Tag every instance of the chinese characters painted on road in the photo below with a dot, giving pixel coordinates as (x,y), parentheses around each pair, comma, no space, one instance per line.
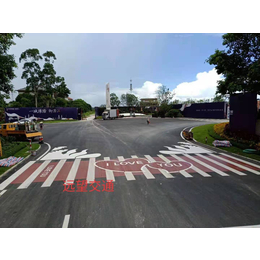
(83,185)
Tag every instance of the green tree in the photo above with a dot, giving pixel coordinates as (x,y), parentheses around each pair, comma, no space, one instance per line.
(218,98)
(80,103)
(164,95)
(239,63)
(61,102)
(7,63)
(130,100)
(61,89)
(115,102)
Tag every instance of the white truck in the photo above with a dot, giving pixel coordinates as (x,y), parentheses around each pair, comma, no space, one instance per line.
(110,114)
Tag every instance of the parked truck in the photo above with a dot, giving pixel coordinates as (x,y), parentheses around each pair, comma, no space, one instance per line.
(110,114)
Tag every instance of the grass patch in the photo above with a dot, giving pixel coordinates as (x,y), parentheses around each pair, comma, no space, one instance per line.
(99,117)
(201,132)
(24,152)
(89,113)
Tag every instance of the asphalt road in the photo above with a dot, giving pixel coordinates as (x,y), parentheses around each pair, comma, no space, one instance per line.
(158,201)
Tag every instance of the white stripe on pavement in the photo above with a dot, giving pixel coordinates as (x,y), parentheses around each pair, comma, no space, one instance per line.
(134,156)
(48,182)
(147,173)
(221,164)
(206,165)
(109,173)
(73,171)
(163,158)
(33,176)
(199,171)
(91,170)
(182,172)
(163,171)
(120,158)
(5,183)
(129,176)
(254,165)
(66,221)
(149,158)
(2,193)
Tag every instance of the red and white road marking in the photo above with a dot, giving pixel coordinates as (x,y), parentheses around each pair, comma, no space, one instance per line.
(169,166)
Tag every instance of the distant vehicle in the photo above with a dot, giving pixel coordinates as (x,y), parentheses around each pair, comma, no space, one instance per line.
(110,114)
(21,132)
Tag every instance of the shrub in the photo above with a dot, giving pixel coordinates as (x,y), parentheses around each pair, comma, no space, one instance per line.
(155,114)
(173,113)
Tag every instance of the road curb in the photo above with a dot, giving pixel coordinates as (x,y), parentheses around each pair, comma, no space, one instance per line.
(13,167)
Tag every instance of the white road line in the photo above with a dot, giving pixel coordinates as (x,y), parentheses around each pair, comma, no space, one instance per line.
(252,164)
(73,170)
(239,165)
(109,173)
(163,171)
(149,158)
(254,226)
(48,182)
(206,165)
(221,164)
(134,156)
(199,171)
(66,221)
(2,193)
(120,158)
(91,170)
(147,173)
(33,176)
(182,172)
(49,148)
(5,183)
(129,176)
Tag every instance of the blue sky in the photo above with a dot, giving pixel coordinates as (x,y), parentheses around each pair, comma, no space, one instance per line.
(89,61)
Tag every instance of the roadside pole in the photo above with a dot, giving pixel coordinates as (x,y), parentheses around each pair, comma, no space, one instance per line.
(1,152)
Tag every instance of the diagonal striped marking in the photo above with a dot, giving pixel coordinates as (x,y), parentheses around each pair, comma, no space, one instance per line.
(183,172)
(48,182)
(202,173)
(221,164)
(164,172)
(73,170)
(252,164)
(32,177)
(5,183)
(239,165)
(129,176)
(147,173)
(120,158)
(109,173)
(206,165)
(91,170)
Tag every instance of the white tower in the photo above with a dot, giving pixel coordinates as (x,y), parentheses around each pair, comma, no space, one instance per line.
(108,106)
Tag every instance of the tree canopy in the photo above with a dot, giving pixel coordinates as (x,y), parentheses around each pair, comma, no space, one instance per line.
(164,95)
(114,100)
(7,63)
(239,63)
(129,100)
(80,103)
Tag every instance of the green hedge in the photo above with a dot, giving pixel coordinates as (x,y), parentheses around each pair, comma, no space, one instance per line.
(10,147)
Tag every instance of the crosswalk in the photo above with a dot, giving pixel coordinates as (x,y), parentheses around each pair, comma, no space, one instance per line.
(204,165)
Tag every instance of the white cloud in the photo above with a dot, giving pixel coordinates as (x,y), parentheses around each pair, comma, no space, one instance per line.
(204,86)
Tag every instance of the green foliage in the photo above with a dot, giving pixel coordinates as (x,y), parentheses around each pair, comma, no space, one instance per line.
(155,114)
(61,102)
(164,95)
(239,63)
(129,100)
(173,113)
(163,109)
(7,63)
(25,100)
(218,98)
(14,104)
(115,102)
(10,147)
(80,103)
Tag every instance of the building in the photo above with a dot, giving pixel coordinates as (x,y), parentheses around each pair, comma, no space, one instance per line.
(150,104)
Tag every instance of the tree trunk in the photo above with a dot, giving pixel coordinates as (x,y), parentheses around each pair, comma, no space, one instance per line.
(36,99)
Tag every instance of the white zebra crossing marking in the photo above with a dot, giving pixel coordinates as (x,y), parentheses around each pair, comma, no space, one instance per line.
(73,171)
(129,175)
(120,158)
(66,221)
(134,156)
(222,165)
(199,171)
(164,172)
(33,176)
(239,165)
(184,173)
(109,173)
(53,174)
(147,173)
(8,181)
(206,165)
(91,170)
(3,192)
